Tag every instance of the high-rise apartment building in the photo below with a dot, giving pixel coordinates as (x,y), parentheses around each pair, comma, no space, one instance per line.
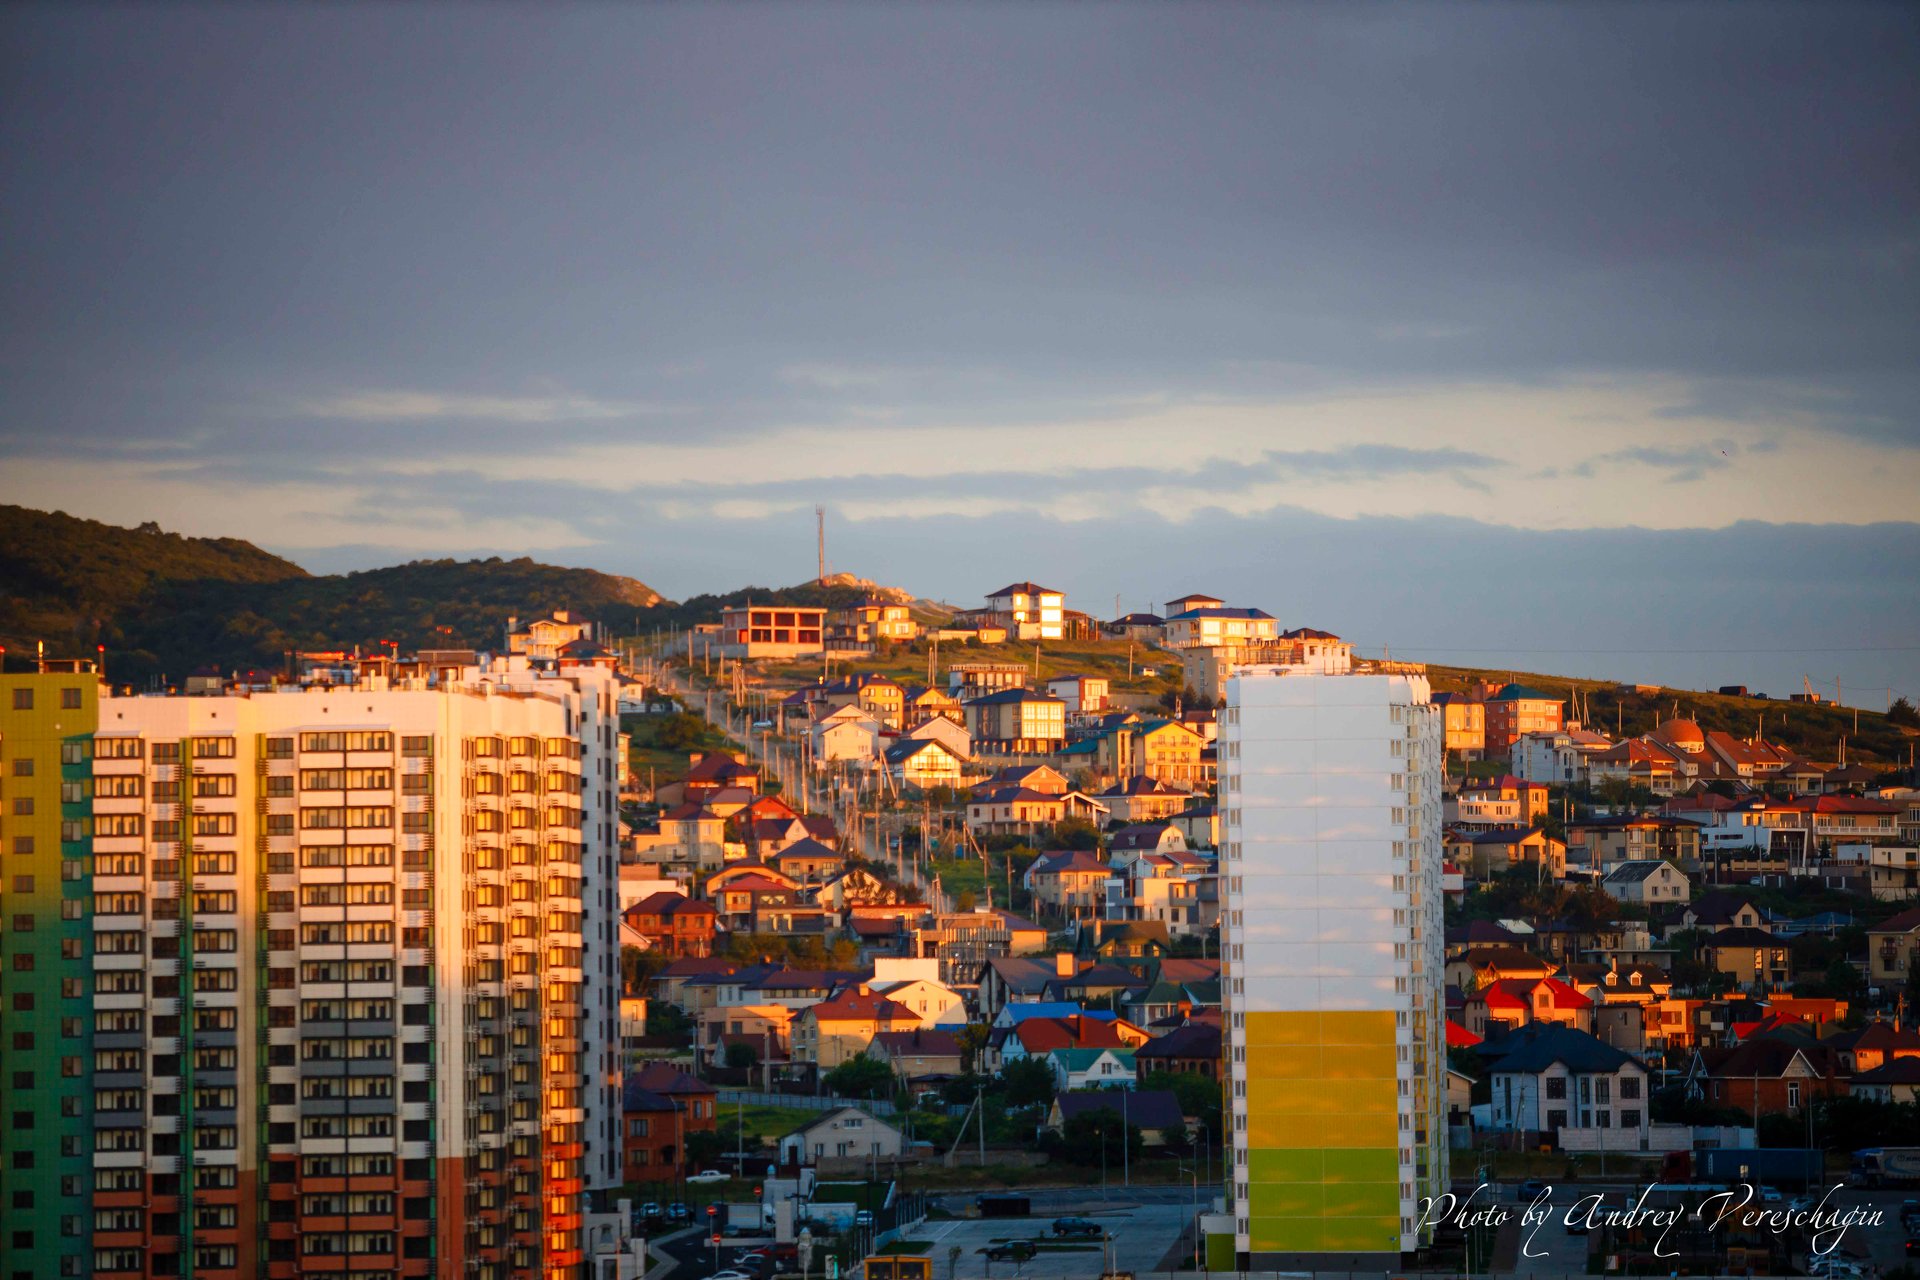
(1330,796)
(46,1010)
(317,979)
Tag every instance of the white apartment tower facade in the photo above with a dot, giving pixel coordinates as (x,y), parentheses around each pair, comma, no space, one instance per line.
(1333,939)
(353,976)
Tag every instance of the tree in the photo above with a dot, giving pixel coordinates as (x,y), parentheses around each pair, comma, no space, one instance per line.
(669,1020)
(703,1148)
(1199,1096)
(742,1056)
(861,1077)
(1084,1137)
(1075,833)
(1901,712)
(1027,1081)
(972,1039)
(638,967)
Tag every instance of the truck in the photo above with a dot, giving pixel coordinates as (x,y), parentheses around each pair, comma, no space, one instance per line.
(1795,1167)
(1003,1206)
(1885,1167)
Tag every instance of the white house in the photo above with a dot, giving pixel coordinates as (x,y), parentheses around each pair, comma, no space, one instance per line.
(1648,881)
(846,1134)
(923,762)
(846,737)
(1091,1068)
(1549,1078)
(1555,757)
(949,734)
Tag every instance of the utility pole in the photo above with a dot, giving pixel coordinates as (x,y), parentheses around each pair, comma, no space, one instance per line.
(820,530)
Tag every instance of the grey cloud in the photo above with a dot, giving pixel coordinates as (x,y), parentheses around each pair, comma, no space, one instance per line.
(1683,465)
(678,204)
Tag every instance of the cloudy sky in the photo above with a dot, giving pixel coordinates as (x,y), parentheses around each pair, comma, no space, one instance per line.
(1571,338)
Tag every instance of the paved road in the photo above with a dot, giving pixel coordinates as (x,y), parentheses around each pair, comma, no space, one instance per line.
(1139,1238)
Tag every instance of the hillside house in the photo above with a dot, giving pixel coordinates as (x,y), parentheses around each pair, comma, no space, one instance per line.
(924,762)
(1029,611)
(1650,883)
(1516,709)
(1017,722)
(777,632)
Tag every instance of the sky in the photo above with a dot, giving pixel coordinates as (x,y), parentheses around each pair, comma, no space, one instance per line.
(1578,339)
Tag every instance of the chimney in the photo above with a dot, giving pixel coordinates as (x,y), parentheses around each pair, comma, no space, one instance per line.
(1063,964)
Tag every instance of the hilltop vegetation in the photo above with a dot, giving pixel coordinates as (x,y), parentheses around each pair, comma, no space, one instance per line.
(1811,730)
(163,603)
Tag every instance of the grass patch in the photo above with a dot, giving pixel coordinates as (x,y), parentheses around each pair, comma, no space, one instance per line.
(961,875)
(763,1122)
(866,1195)
(913,1247)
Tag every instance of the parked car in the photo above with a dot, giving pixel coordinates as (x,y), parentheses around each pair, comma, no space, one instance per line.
(1834,1268)
(730,1274)
(1532,1189)
(711,1175)
(651,1210)
(1009,1251)
(1769,1195)
(1077,1227)
(679,1212)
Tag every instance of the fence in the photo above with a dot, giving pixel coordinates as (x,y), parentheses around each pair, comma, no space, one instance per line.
(801,1101)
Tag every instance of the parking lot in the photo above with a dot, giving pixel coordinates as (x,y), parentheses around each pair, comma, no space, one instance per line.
(1140,1235)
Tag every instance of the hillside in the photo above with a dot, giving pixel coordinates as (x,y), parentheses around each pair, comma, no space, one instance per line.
(68,581)
(443,604)
(1813,731)
(164,604)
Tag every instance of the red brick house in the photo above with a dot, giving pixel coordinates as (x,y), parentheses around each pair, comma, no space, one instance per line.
(675,924)
(1777,1073)
(660,1106)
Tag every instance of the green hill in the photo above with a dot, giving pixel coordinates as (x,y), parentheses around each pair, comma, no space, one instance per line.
(163,603)
(68,581)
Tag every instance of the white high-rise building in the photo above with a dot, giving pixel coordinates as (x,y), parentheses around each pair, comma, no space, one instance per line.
(1332,934)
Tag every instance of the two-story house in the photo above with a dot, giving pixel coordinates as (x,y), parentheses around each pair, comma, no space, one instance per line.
(673,924)
(1550,1078)
(924,762)
(1649,882)
(1210,626)
(828,1033)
